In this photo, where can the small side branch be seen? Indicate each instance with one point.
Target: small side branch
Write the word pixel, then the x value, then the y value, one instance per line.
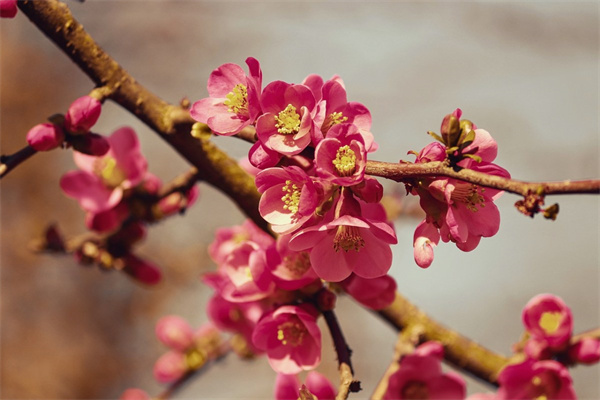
pixel 405 172
pixel 8 163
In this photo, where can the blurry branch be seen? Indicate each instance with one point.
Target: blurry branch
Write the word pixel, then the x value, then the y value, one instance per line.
pixel 172 123
pixel 407 340
pixel 9 162
pixel 460 351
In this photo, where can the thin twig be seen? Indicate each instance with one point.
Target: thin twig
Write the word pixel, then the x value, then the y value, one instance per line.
pixel 8 163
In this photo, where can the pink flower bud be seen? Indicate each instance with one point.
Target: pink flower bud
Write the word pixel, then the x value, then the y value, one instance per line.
pixel 134 394
pixel 170 367
pixel 586 351
pixel 46 136
pixel 142 270
pixel 175 332
pixel 82 115
pixel 431 348
pixel 8 8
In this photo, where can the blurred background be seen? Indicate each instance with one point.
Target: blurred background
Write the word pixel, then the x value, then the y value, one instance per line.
pixel 525 71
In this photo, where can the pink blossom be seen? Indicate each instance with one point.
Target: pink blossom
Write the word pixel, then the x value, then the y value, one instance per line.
pixel 548 320
pixel 585 351
pixel 46 136
pixel 227 239
pixel 287 387
pixel 291 270
pixel 107 220
pixel 8 8
pixel 348 241
pixel 341 158
pixel 421 377
pixel 369 190
pixel 286 125
pixel 170 367
pixel 376 293
pixel 101 181
pixel 91 144
pixel 261 157
pixel 535 379
pixel 291 338
pixel 234 98
pixel 289 197
pixel 175 332
pixel 177 202
pixel 134 394
pixel 334 109
pixel 82 115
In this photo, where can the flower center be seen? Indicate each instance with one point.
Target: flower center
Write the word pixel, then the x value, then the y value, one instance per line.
pixel 468 195
pixel 345 161
pixel 297 263
pixel 106 168
pixel 332 119
pixel 348 238
pixel 416 390
pixel 237 100
pixel 291 198
pixel 550 321
pixel 291 332
pixel 288 121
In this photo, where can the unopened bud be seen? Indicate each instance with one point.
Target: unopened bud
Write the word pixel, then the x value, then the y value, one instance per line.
pixel 450 130
pixel 91 144
pixel 82 115
pixel 551 212
pixel 46 136
pixel 326 300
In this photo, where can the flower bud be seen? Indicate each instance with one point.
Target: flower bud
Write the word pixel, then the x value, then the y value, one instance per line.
pixel 585 351
pixel 142 270
pixel 174 332
pixel 450 130
pixel 8 8
pixel 46 136
pixel 82 115
pixel 170 367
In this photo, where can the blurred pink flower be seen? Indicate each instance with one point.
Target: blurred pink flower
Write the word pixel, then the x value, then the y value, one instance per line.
pixel 175 332
pixel 234 98
pixel 8 8
pixel 287 387
pixel 376 293
pixel 585 351
pixel 421 377
pixel 134 394
pixel 548 320
pixel 290 337
pixel 101 181
pixel 142 270
pixel 82 115
pixel 170 367
pixel 532 379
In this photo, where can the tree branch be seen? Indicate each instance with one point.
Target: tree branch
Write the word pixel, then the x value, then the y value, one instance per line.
pixel 8 163
pixel 403 172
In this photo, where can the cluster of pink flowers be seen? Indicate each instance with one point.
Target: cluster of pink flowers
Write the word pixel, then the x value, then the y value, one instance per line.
pixel 111 185
pixel 271 296
pixel 457 211
pixel 311 148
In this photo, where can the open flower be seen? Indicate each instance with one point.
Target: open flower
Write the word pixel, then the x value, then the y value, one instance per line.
pixel 421 377
pixel 286 125
pixel 341 158
pixel 287 387
pixel 101 181
pixel 350 241
pixel 234 98
pixel 532 379
pixel 549 321
pixel 291 338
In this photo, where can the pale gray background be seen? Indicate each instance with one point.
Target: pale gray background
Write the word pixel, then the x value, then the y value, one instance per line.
pixel 525 71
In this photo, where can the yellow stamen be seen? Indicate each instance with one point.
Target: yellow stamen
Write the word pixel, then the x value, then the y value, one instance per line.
pixel 237 100
pixel 468 194
pixel 348 238
pixel 331 120
pixel 291 332
pixel 288 121
pixel 297 263
pixel 550 321
pixel 345 161
pixel 106 168
pixel 291 198
pixel 194 359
